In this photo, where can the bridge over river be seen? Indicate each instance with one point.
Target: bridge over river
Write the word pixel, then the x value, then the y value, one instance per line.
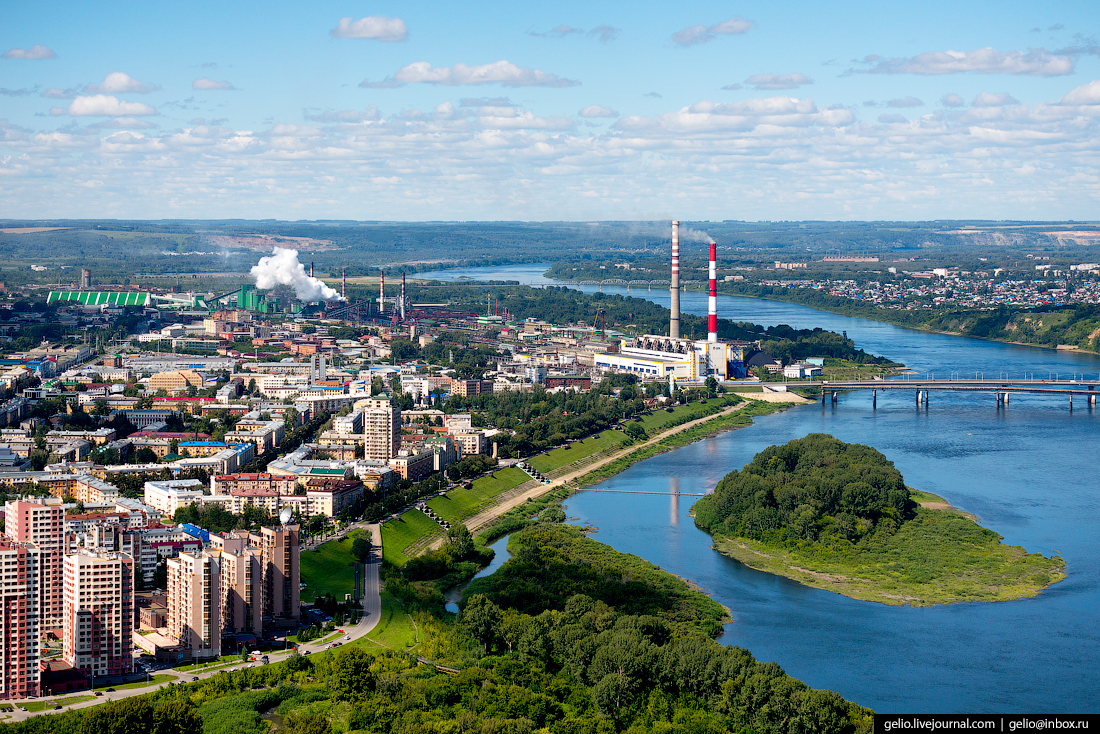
pixel 1001 387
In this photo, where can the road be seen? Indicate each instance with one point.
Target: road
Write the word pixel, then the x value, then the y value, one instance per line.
pixel 372 613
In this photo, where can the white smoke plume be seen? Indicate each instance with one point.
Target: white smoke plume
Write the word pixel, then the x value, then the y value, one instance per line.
pixel 283 268
pixel 664 231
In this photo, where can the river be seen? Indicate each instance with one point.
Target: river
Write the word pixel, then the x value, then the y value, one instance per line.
pixel 1027 471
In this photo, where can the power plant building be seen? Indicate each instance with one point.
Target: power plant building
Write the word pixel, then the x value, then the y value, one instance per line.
pixel 656 357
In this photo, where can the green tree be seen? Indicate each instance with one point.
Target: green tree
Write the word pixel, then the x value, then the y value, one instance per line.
pixel 460 542
pixel 482 618
pixel 305 723
pixel 352 678
pixel 361 547
pixel 176 716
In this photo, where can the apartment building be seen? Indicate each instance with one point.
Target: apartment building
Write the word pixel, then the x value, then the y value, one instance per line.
pixel 99 612
pixel 381 430
pixel 281 592
pixel 194 603
pixel 228 483
pixel 19 620
pixel 241 572
pixel 43 524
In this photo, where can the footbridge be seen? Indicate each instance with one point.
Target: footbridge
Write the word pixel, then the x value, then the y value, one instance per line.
pixel 1079 387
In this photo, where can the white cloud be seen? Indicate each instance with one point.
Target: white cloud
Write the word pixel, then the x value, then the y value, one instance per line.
pixel 988 99
pixel 499 72
pixel 776 157
pixel 33 53
pixel 778 81
pixel 102 105
pixel 905 102
pixel 696 34
pixel 952 100
pixel 55 93
pixel 206 84
pixel 595 110
pixel 1035 62
pixel 605 33
pixel 123 123
pixel 371 114
pixel 733 87
pixel 21 92
pixel 118 82
pixel 892 119
pixel 377 27
pixel 1086 94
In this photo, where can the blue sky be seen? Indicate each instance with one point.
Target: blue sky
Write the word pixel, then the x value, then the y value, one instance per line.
pixel 562 110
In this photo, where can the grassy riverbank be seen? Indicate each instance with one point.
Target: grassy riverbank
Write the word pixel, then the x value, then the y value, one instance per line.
pixel 941 556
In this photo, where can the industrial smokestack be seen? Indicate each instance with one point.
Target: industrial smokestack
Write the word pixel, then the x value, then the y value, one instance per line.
pixel 712 293
pixel 311 268
pixel 402 311
pixel 343 281
pixel 674 289
pixel 381 292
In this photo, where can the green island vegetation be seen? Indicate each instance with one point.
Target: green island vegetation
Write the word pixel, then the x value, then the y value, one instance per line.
pixel 838 516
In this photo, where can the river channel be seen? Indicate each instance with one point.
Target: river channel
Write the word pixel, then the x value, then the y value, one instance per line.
pixel 1028 471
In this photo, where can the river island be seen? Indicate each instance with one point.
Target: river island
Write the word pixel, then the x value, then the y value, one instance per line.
pixel 838 516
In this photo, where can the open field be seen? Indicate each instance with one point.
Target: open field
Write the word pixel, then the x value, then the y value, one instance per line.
pixel 329 570
pixel 397 535
pixel 396 629
pixel 461 503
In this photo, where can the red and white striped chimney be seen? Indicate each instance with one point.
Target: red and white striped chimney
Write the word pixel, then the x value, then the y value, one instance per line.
pixel 712 306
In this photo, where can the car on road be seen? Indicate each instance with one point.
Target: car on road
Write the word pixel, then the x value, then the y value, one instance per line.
pixel 110 690
pixel 194 678
pixel 57 707
pixel 98 693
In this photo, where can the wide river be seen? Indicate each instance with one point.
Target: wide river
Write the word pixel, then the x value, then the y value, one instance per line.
pixel 1029 472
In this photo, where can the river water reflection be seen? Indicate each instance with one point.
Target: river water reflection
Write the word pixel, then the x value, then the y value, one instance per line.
pixel 1028 471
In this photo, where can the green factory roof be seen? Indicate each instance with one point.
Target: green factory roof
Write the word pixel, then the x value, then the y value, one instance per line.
pixel 98 298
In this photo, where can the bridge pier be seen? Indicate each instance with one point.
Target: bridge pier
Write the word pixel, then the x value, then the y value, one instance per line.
pixel 874 399
pixel 834 397
pixel 823 397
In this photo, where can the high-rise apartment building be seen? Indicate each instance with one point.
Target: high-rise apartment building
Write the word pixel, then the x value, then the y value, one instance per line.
pixel 381 430
pixel 41 523
pixel 241 582
pixel 281 591
pixel 194 603
pixel 19 630
pixel 99 612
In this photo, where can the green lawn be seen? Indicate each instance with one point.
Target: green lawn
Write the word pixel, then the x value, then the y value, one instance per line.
pixel 397 535
pixel 580 450
pixel 224 659
pixel 459 504
pixel 395 630
pixel 155 680
pixel 329 570
pixel 661 419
